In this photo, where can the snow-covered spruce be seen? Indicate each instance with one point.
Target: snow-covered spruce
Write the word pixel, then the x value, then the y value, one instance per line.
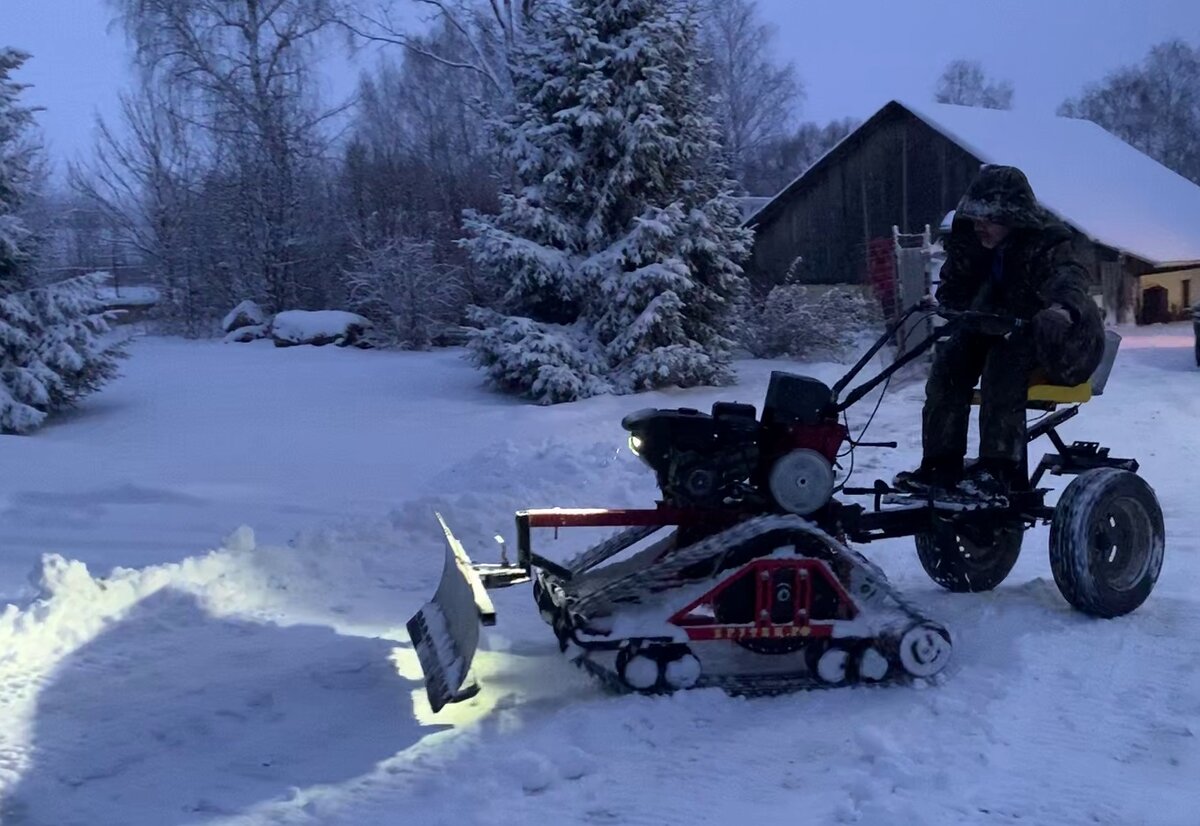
pixel 74 338
pixel 53 350
pixel 621 245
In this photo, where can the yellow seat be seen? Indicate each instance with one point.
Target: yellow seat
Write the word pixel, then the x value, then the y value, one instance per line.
pixel 1044 396
pixel 1061 394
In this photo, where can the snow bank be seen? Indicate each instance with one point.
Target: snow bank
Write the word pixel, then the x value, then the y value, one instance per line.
pixel 318 327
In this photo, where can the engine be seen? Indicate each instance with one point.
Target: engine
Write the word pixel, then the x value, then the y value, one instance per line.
pixel 698 458
pixel 784 461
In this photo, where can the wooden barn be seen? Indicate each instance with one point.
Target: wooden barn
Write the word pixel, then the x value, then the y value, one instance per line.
pixel 1137 223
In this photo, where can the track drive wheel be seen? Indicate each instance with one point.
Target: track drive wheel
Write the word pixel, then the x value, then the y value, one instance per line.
pixel 830 663
pixel 1106 542
pixel 653 668
pixel 965 559
pixel 924 649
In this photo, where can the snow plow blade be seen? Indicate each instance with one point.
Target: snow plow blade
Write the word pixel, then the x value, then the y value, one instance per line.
pixel 445 632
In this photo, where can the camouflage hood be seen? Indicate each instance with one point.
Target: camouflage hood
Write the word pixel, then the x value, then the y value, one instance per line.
pixel 1002 194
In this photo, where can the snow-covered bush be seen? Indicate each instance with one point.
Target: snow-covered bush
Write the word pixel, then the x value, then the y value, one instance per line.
pixel 810 322
pixel 621 246
pixel 405 293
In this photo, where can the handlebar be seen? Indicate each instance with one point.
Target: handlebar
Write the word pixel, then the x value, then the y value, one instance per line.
pixel 986 323
pixel 1000 323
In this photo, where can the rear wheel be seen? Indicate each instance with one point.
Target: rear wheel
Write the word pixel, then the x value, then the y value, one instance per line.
pixel 968 561
pixel 1106 542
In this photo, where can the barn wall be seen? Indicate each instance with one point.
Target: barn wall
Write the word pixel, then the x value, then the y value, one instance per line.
pixel 895 172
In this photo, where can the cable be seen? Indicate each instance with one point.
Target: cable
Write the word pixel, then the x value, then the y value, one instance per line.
pixel 870 419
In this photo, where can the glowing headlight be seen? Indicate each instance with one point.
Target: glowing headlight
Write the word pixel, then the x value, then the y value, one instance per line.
pixel 635 445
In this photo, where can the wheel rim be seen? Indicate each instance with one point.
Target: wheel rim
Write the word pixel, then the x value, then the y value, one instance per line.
pixel 978 558
pixel 1120 542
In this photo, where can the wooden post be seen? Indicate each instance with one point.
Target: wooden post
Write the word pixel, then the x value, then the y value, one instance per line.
pixel 904 179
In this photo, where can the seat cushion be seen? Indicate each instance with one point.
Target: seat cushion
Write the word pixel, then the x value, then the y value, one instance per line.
pixel 1041 394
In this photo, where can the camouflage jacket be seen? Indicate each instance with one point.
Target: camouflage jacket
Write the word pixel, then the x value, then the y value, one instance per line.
pixel 1037 269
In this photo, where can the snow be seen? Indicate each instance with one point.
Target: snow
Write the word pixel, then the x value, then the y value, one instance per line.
pixel 302 326
pixel 153 672
pixel 1088 177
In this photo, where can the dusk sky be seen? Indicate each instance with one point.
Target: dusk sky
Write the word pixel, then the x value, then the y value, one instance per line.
pixel 852 55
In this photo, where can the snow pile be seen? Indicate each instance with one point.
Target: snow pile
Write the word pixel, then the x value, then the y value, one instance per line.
pixel 246 314
pixel 251 332
pixel 319 327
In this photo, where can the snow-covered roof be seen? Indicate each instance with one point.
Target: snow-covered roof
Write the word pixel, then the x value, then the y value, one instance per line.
pixel 750 204
pixel 1092 180
pixel 1088 177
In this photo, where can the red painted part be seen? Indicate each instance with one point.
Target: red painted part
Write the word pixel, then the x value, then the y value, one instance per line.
pixel 881 273
pixel 627 517
pixel 816 631
pixel 764 600
pixel 826 438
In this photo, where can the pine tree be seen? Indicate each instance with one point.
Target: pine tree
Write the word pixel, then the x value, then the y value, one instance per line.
pixel 622 245
pixel 52 347
pixel 16 169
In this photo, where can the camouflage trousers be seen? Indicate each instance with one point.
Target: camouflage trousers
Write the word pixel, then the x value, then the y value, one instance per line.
pixel 1004 365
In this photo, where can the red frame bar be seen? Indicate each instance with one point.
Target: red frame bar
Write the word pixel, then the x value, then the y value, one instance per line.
pixel 624 517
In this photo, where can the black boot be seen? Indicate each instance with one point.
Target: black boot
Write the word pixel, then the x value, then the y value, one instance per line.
pixel 938 473
pixel 990 479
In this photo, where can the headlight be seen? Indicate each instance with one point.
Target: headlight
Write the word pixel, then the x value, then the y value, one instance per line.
pixel 635 445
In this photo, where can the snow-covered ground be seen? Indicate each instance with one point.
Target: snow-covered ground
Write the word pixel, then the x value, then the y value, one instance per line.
pixel 147 680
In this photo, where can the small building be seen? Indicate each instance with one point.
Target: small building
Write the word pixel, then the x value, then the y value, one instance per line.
pixel 1137 223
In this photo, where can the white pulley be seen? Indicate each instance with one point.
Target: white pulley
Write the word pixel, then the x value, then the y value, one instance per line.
pixel 801 481
pixel 924 650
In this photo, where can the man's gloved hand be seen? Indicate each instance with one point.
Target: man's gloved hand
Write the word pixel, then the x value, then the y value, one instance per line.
pixel 1058 312
pixel 1055 317
pixel 928 304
